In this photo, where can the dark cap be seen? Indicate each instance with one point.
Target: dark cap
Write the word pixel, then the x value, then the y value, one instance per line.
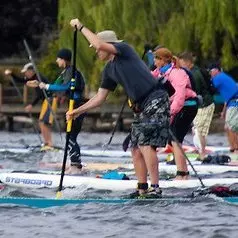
pixel 214 66
pixel 64 54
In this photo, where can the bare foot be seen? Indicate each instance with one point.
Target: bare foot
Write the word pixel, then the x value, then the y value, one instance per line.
pixel 73 170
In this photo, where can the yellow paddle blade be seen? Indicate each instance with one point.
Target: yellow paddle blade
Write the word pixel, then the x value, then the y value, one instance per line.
pixel 59 195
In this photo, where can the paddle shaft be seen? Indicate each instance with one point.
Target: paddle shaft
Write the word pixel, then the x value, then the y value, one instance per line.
pixel 117 122
pixel 71 107
pixel 180 147
pixel 43 90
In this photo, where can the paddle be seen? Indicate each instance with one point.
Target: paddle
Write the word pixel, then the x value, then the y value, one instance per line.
pixel 69 123
pixel 180 147
pixel 43 90
pixel 30 115
pixel 105 146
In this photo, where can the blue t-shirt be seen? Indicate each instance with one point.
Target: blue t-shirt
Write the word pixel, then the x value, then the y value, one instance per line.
pixel 128 70
pixel 226 86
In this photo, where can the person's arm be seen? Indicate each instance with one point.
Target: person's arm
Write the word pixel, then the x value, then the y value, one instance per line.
pixel 55 87
pixel 18 79
pixel 223 112
pixel 92 38
pixel 94 102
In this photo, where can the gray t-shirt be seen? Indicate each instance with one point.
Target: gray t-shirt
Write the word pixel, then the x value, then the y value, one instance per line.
pixel 128 70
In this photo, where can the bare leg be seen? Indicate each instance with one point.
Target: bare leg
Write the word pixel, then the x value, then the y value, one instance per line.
pixel 151 161
pixel 46 133
pixel 139 165
pixel 180 160
pixel 231 136
pixel 202 152
pixel 232 139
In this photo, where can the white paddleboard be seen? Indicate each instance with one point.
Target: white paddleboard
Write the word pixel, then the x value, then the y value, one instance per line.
pixel 52 181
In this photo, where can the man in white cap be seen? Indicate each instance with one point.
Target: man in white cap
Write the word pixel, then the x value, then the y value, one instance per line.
pixel 149 102
pixel 46 118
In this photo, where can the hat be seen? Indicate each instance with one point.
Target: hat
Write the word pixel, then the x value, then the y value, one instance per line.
pixel 28 66
pixel 164 53
pixel 214 66
pixel 64 54
pixel 107 36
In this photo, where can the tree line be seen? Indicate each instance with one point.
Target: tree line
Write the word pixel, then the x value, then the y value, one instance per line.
pixel 206 27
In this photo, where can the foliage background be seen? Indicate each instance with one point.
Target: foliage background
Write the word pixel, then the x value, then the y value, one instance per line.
pixel 206 27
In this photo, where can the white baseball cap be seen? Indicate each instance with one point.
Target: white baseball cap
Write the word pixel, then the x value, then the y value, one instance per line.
pixel 27 67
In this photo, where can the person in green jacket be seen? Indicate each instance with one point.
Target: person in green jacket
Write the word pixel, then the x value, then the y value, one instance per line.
pixel 203 119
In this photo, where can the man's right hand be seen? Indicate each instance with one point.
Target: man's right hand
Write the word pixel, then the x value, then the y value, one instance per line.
pixel 7 72
pixel 76 22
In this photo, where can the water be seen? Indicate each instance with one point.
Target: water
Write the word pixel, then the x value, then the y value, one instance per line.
pixel 205 217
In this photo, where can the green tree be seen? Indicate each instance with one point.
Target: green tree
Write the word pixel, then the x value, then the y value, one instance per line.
pixel 206 27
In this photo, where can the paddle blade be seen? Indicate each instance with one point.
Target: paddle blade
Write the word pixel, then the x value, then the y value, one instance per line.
pixel 59 195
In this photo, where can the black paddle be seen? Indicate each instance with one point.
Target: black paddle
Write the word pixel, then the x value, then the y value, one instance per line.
pixel 69 123
pixel 105 146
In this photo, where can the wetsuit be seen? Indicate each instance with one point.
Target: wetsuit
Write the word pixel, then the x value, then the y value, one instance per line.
pixel 62 84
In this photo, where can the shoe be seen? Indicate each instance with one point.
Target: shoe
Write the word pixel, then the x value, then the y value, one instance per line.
pixel 151 193
pixel 133 195
pixel 46 148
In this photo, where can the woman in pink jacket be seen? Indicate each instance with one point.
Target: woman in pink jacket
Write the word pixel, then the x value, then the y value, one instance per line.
pixel 183 104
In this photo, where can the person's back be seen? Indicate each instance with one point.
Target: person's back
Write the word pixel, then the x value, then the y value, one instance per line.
pixel 226 85
pixel 201 86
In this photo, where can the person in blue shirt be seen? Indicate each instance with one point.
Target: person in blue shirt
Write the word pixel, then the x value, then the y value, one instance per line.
pixel 62 84
pixel 228 89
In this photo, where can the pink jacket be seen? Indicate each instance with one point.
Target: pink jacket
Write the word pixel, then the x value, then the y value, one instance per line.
pixel 156 73
pixel 181 83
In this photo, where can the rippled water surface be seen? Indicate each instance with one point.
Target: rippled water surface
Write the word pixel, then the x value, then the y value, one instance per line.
pixel 204 217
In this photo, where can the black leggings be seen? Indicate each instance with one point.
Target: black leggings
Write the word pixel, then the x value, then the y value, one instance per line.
pixel 74 148
pixel 182 122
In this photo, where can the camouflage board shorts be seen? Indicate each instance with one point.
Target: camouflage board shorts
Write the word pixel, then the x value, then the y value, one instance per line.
pixel 151 125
